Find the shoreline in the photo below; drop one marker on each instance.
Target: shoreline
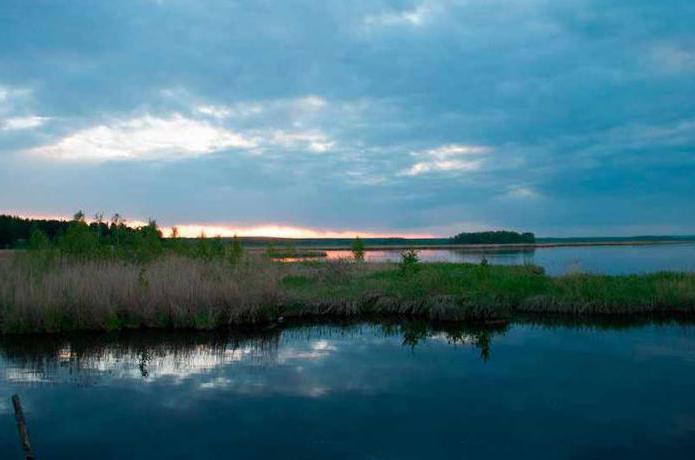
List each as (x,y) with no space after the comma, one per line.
(464,247)
(475,247)
(273,326)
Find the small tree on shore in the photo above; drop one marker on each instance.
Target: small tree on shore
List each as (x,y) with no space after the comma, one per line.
(236,251)
(175,241)
(358,249)
(201,249)
(149,245)
(216,248)
(409,262)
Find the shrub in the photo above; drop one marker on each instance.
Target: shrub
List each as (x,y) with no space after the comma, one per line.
(236,251)
(78,241)
(39,241)
(358,249)
(409,261)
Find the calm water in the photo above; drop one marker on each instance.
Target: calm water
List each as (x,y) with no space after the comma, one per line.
(361,392)
(612,260)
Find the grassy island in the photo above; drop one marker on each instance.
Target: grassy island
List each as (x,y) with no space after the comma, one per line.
(174,291)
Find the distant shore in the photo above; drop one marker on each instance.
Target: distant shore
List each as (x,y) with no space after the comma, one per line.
(475,247)
(312,248)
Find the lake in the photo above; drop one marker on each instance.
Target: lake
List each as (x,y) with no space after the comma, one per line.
(610,260)
(363,391)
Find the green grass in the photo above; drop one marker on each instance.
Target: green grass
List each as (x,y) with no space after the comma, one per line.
(473,291)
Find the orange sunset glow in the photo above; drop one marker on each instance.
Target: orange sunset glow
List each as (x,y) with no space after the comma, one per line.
(278,231)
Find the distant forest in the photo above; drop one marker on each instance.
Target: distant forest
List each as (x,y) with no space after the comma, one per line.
(16,231)
(497,237)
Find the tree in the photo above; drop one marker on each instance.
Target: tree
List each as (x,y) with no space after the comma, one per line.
(78,240)
(409,261)
(39,241)
(358,249)
(151,241)
(217,248)
(78,216)
(117,220)
(236,251)
(202,247)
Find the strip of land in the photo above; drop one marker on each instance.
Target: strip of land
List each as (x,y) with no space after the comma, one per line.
(488,247)
(174,292)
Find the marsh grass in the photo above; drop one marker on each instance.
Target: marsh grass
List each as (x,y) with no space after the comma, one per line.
(105,294)
(44,292)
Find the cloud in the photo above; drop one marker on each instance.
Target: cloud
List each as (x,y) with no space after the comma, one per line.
(293,109)
(452,150)
(12,94)
(15,102)
(675,58)
(14,123)
(443,166)
(522,192)
(146,138)
(445,159)
(281,126)
(314,141)
(214,111)
(412,17)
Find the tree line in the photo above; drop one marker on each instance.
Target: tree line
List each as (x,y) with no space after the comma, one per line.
(100,239)
(494,237)
(16,232)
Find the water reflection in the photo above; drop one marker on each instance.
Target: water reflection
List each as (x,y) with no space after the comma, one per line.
(499,255)
(150,355)
(85,359)
(407,390)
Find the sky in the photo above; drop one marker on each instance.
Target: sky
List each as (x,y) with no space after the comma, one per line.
(333,118)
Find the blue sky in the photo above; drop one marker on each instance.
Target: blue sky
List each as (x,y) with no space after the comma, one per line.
(380,117)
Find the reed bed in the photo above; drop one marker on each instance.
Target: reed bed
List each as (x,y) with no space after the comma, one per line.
(180,292)
(110,294)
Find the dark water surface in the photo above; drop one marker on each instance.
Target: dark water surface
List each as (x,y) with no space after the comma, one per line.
(359,392)
(609,260)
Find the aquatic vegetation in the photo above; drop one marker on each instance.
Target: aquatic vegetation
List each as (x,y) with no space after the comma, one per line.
(178,291)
